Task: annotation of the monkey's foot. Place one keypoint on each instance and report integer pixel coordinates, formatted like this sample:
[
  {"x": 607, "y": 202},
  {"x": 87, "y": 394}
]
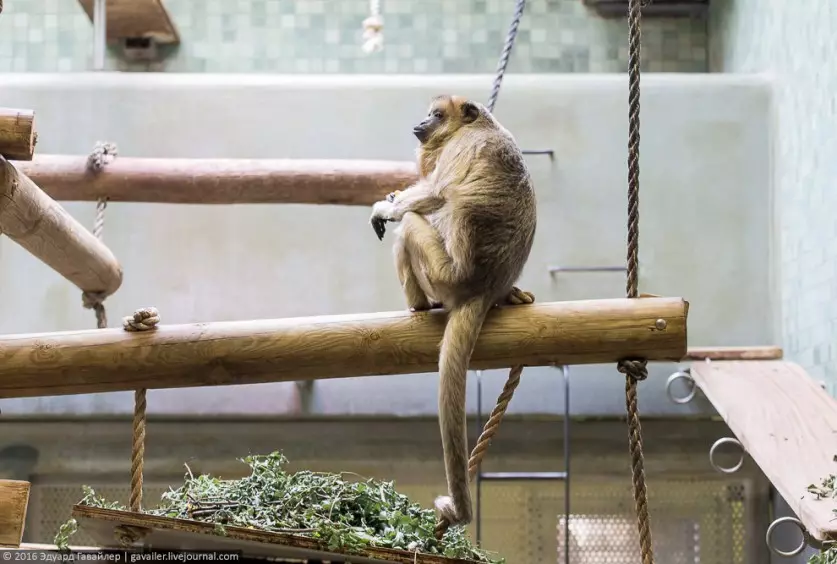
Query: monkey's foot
[
  {"x": 444, "y": 504},
  {"x": 518, "y": 297}
]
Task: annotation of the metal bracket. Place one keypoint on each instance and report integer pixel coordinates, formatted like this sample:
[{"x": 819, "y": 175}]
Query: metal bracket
[
  {"x": 807, "y": 539},
  {"x": 686, "y": 376},
  {"x": 719, "y": 442}
]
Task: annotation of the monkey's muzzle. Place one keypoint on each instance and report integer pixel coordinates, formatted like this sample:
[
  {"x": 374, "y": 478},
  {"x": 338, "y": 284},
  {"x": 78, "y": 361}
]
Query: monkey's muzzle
[{"x": 420, "y": 132}]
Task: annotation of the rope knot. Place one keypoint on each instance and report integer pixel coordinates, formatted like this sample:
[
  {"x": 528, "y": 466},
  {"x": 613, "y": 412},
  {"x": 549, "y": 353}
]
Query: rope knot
[
  {"x": 636, "y": 369},
  {"x": 143, "y": 319},
  {"x": 373, "y": 37},
  {"x": 98, "y": 157}
]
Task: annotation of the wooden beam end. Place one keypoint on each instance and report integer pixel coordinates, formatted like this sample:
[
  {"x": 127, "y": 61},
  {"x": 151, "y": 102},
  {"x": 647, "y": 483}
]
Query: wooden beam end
[{"x": 14, "y": 500}]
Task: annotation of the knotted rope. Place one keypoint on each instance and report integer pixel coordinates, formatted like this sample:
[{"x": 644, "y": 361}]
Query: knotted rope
[
  {"x": 635, "y": 369},
  {"x": 373, "y": 35},
  {"x": 516, "y": 297},
  {"x": 96, "y": 161},
  {"x": 144, "y": 319}
]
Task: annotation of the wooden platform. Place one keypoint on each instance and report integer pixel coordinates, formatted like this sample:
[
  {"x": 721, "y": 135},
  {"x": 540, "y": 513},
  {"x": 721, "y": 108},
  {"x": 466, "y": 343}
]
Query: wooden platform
[
  {"x": 183, "y": 534},
  {"x": 787, "y": 423}
]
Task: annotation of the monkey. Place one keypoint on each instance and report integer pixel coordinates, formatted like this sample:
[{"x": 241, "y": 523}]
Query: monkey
[{"x": 465, "y": 232}]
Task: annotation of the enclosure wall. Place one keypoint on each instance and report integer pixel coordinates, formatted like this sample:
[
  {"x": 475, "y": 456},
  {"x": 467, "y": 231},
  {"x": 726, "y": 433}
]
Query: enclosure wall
[{"x": 705, "y": 216}]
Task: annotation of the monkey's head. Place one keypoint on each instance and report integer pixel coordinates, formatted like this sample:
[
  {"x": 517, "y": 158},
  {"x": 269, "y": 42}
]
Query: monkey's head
[{"x": 446, "y": 115}]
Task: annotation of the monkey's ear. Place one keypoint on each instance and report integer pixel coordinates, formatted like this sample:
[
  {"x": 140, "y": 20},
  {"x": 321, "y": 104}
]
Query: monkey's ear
[{"x": 470, "y": 112}]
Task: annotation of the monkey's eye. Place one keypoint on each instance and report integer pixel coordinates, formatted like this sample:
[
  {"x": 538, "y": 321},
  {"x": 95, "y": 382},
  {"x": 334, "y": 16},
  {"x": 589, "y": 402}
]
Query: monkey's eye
[{"x": 437, "y": 114}]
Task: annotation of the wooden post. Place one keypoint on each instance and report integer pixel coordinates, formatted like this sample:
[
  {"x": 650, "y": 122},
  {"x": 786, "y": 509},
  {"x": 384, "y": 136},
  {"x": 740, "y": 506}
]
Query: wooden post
[
  {"x": 41, "y": 226},
  {"x": 17, "y": 134},
  {"x": 340, "y": 346},
  {"x": 220, "y": 181},
  {"x": 14, "y": 499}
]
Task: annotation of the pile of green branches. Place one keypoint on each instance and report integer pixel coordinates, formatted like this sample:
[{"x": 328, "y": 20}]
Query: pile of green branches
[{"x": 343, "y": 515}]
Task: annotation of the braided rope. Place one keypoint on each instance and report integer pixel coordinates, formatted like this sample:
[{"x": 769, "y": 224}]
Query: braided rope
[
  {"x": 144, "y": 319},
  {"x": 635, "y": 369},
  {"x": 504, "y": 56},
  {"x": 96, "y": 162},
  {"x": 516, "y": 297}
]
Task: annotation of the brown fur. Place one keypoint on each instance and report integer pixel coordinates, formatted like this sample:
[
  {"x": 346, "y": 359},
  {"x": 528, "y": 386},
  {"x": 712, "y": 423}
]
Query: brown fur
[{"x": 467, "y": 228}]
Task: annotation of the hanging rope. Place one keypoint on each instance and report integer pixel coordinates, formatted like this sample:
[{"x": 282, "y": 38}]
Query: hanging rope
[
  {"x": 103, "y": 153},
  {"x": 635, "y": 369},
  {"x": 96, "y": 161},
  {"x": 373, "y": 35},
  {"x": 144, "y": 319},
  {"x": 516, "y": 297}
]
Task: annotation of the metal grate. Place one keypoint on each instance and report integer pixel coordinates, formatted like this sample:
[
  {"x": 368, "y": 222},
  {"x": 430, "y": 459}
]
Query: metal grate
[
  {"x": 50, "y": 506},
  {"x": 694, "y": 522}
]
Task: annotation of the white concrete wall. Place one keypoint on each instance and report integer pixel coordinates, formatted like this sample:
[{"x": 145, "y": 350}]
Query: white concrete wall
[{"x": 705, "y": 216}]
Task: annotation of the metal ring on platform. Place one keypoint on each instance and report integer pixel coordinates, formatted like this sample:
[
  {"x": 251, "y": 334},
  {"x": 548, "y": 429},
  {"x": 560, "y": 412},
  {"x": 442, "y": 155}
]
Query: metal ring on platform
[
  {"x": 787, "y": 553},
  {"x": 720, "y": 442},
  {"x": 681, "y": 375}
]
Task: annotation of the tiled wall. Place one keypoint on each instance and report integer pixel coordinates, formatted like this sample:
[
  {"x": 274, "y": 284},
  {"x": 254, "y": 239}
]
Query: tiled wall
[
  {"x": 422, "y": 36},
  {"x": 797, "y": 47}
]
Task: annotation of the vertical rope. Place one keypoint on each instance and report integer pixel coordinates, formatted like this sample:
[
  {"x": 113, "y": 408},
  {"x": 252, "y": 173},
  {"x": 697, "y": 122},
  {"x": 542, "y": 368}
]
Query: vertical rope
[
  {"x": 504, "y": 56},
  {"x": 144, "y": 319},
  {"x": 102, "y": 154},
  {"x": 635, "y": 370}
]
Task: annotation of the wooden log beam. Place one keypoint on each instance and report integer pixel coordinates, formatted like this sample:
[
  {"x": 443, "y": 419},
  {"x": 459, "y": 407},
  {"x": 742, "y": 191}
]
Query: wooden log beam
[
  {"x": 42, "y": 226},
  {"x": 14, "y": 499},
  {"x": 220, "y": 181},
  {"x": 734, "y": 353},
  {"x": 340, "y": 346},
  {"x": 17, "y": 134},
  {"x": 786, "y": 422}
]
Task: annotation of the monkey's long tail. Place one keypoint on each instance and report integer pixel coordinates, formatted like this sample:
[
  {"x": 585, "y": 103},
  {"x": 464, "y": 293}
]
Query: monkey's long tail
[{"x": 461, "y": 334}]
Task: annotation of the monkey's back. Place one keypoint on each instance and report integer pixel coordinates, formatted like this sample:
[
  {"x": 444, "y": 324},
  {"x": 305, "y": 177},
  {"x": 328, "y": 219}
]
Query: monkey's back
[{"x": 490, "y": 217}]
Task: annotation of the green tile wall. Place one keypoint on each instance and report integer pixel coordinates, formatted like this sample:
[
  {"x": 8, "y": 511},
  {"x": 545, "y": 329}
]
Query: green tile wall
[{"x": 324, "y": 36}]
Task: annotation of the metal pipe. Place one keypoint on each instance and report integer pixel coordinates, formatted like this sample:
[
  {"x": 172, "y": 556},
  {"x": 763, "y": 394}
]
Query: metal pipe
[
  {"x": 566, "y": 373},
  {"x": 557, "y": 269},
  {"x": 99, "y": 34},
  {"x": 523, "y": 476},
  {"x": 479, "y": 473}
]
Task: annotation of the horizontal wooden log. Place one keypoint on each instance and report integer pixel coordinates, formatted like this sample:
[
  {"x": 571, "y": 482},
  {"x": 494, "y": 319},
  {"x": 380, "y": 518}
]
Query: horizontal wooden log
[
  {"x": 220, "y": 181},
  {"x": 14, "y": 499},
  {"x": 17, "y": 134},
  {"x": 341, "y": 346},
  {"x": 734, "y": 353},
  {"x": 43, "y": 227}
]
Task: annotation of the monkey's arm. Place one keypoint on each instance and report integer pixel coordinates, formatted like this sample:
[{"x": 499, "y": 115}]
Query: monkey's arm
[{"x": 419, "y": 198}]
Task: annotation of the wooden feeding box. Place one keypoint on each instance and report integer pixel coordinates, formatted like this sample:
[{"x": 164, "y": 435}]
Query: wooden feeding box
[{"x": 151, "y": 531}]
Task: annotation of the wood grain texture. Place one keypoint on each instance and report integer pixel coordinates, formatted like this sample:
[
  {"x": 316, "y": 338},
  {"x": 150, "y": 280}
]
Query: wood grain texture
[
  {"x": 14, "y": 498},
  {"x": 17, "y": 134},
  {"x": 340, "y": 346},
  {"x": 173, "y": 534},
  {"x": 135, "y": 18},
  {"x": 786, "y": 422},
  {"x": 221, "y": 181},
  {"x": 43, "y": 227},
  {"x": 735, "y": 353}
]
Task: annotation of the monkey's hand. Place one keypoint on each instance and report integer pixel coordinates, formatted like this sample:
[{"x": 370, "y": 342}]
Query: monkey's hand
[
  {"x": 391, "y": 196},
  {"x": 381, "y": 213}
]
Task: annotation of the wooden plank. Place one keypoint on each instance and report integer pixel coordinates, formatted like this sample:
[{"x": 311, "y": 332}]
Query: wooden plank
[
  {"x": 40, "y": 225},
  {"x": 127, "y": 19},
  {"x": 17, "y": 134},
  {"x": 788, "y": 425},
  {"x": 734, "y": 353},
  {"x": 220, "y": 181},
  {"x": 339, "y": 346},
  {"x": 184, "y": 534},
  {"x": 14, "y": 498}
]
